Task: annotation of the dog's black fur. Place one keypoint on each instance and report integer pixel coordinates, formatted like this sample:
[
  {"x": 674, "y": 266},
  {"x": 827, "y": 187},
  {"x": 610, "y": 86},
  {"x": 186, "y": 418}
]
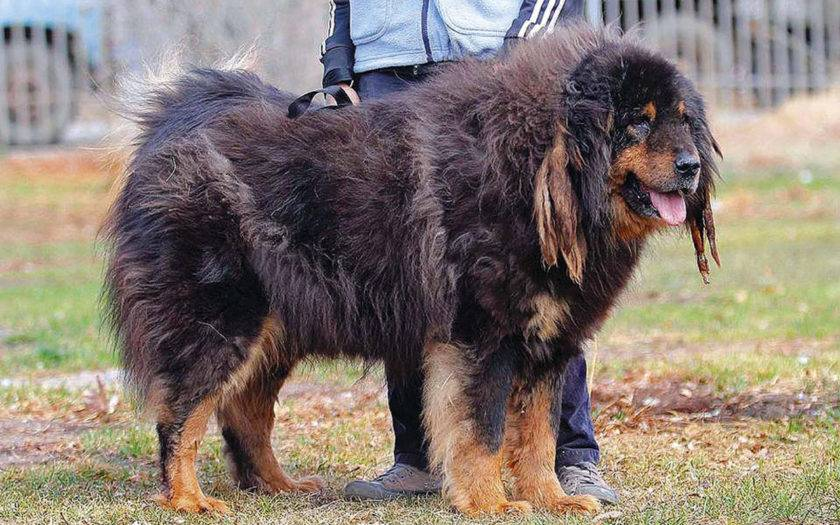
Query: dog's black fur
[{"x": 375, "y": 231}]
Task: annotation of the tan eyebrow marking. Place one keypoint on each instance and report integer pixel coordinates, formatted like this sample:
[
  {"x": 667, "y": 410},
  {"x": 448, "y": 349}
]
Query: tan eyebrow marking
[
  {"x": 681, "y": 108},
  {"x": 649, "y": 110}
]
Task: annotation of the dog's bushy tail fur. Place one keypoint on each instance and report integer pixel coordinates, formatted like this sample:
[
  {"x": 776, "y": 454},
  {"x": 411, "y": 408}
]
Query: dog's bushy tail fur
[{"x": 166, "y": 111}]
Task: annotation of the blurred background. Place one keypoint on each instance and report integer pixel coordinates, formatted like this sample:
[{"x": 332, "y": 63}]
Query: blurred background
[
  {"x": 712, "y": 404},
  {"x": 57, "y": 55}
]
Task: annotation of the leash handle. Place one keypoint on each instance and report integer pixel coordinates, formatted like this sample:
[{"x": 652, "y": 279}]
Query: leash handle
[{"x": 302, "y": 104}]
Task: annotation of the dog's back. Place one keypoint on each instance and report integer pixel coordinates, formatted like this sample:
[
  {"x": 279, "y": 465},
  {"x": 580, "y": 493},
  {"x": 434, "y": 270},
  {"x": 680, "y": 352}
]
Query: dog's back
[{"x": 231, "y": 209}]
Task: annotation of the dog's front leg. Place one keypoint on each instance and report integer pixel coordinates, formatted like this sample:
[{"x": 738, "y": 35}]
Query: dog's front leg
[
  {"x": 464, "y": 413},
  {"x": 530, "y": 449}
]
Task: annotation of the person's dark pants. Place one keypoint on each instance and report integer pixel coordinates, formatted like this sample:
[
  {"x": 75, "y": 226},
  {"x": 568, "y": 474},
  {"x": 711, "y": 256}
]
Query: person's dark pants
[{"x": 576, "y": 438}]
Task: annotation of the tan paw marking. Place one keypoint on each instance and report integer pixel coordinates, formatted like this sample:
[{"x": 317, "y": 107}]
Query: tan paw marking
[
  {"x": 575, "y": 505},
  {"x": 192, "y": 503}
]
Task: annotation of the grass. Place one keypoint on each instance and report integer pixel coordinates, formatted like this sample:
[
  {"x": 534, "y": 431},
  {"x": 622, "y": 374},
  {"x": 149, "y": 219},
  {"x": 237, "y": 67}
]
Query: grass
[
  {"x": 767, "y": 325},
  {"x": 763, "y": 472}
]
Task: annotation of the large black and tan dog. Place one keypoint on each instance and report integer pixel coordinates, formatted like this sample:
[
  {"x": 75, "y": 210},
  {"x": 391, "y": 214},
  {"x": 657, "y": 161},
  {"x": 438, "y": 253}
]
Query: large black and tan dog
[{"x": 479, "y": 227}]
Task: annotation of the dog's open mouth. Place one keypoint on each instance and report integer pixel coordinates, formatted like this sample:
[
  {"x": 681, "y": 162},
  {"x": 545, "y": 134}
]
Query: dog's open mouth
[{"x": 669, "y": 206}]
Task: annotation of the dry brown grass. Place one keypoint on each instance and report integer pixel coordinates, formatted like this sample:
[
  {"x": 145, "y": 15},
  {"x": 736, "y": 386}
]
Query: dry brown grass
[{"x": 799, "y": 134}]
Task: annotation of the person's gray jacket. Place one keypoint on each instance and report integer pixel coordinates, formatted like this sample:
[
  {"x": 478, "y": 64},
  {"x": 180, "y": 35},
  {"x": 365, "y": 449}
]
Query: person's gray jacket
[{"x": 374, "y": 34}]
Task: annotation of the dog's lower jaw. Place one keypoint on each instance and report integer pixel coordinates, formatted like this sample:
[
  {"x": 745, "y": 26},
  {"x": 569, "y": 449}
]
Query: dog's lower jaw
[{"x": 627, "y": 225}]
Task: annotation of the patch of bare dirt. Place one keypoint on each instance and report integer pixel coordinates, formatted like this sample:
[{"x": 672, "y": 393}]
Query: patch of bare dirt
[
  {"x": 798, "y": 202},
  {"x": 34, "y": 432},
  {"x": 668, "y": 345},
  {"x": 78, "y": 381},
  {"x": 674, "y": 400},
  {"x": 65, "y": 164},
  {"x": 34, "y": 441},
  {"x": 66, "y": 195}
]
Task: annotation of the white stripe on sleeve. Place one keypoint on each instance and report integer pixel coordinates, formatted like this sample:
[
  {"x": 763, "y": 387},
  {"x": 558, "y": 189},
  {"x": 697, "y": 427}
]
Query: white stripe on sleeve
[
  {"x": 547, "y": 13},
  {"x": 331, "y": 27},
  {"x": 555, "y": 17},
  {"x": 534, "y": 15}
]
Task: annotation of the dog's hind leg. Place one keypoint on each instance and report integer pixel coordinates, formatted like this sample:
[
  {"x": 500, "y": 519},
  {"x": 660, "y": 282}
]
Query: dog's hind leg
[
  {"x": 217, "y": 366},
  {"x": 458, "y": 445},
  {"x": 180, "y": 430},
  {"x": 246, "y": 418},
  {"x": 530, "y": 449}
]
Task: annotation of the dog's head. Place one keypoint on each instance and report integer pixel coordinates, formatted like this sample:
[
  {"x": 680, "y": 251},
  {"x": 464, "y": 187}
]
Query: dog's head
[{"x": 635, "y": 153}]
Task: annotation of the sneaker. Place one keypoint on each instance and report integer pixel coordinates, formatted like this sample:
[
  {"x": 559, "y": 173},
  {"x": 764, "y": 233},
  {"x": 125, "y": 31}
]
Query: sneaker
[
  {"x": 399, "y": 481},
  {"x": 584, "y": 479}
]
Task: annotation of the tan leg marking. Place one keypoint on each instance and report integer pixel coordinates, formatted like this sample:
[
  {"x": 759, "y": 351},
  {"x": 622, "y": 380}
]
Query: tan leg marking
[
  {"x": 529, "y": 451},
  {"x": 472, "y": 474},
  {"x": 184, "y": 492},
  {"x": 250, "y": 415},
  {"x": 263, "y": 355}
]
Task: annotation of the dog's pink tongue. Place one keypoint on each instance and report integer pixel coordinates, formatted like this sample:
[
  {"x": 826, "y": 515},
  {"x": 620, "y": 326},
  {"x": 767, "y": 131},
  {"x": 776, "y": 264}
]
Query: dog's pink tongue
[{"x": 671, "y": 206}]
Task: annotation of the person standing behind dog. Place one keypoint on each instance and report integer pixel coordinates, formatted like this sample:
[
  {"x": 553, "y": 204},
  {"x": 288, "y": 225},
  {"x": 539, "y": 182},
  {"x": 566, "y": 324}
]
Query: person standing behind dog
[{"x": 377, "y": 47}]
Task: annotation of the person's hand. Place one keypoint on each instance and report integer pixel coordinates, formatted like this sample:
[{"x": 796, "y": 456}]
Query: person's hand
[{"x": 351, "y": 94}]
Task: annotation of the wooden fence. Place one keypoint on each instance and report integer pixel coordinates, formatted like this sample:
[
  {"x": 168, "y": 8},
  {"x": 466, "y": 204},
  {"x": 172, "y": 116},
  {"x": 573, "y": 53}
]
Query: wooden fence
[
  {"x": 39, "y": 80},
  {"x": 742, "y": 53}
]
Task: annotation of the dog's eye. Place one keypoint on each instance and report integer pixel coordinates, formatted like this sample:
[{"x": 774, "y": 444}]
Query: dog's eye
[{"x": 639, "y": 129}]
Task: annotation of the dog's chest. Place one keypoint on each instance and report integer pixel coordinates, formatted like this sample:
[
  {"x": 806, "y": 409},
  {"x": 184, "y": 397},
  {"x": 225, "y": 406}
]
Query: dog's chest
[
  {"x": 549, "y": 314},
  {"x": 575, "y": 314}
]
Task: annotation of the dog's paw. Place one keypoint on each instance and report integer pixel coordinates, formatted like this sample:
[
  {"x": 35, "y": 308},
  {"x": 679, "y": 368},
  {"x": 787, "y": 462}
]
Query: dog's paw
[
  {"x": 284, "y": 484},
  {"x": 501, "y": 507},
  {"x": 515, "y": 507},
  {"x": 308, "y": 484},
  {"x": 574, "y": 505},
  {"x": 192, "y": 503}
]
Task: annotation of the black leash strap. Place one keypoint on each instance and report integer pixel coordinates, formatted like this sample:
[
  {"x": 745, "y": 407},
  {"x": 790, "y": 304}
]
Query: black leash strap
[{"x": 302, "y": 104}]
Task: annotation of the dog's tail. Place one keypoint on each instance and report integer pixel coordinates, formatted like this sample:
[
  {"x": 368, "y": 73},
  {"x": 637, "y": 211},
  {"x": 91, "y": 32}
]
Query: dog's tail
[
  {"x": 168, "y": 108},
  {"x": 171, "y": 99}
]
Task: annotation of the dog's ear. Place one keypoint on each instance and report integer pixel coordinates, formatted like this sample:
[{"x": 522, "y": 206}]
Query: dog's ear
[
  {"x": 589, "y": 122},
  {"x": 700, "y": 220},
  {"x": 557, "y": 212}
]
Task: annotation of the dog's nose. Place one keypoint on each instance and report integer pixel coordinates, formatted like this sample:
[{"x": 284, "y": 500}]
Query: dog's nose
[{"x": 687, "y": 165}]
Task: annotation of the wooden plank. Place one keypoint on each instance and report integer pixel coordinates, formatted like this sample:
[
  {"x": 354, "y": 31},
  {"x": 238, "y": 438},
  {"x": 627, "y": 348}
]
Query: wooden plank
[
  {"x": 764, "y": 75},
  {"x": 781, "y": 51},
  {"x": 668, "y": 26},
  {"x": 612, "y": 12},
  {"x": 63, "y": 84},
  {"x": 594, "y": 12},
  {"x": 799, "y": 47},
  {"x": 81, "y": 71},
  {"x": 42, "y": 124},
  {"x": 743, "y": 54},
  {"x": 707, "y": 43},
  {"x": 650, "y": 15},
  {"x": 687, "y": 39},
  {"x": 817, "y": 50},
  {"x": 726, "y": 52},
  {"x": 833, "y": 24},
  {"x": 19, "y": 69},
  {"x": 631, "y": 13},
  {"x": 5, "y": 129}
]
